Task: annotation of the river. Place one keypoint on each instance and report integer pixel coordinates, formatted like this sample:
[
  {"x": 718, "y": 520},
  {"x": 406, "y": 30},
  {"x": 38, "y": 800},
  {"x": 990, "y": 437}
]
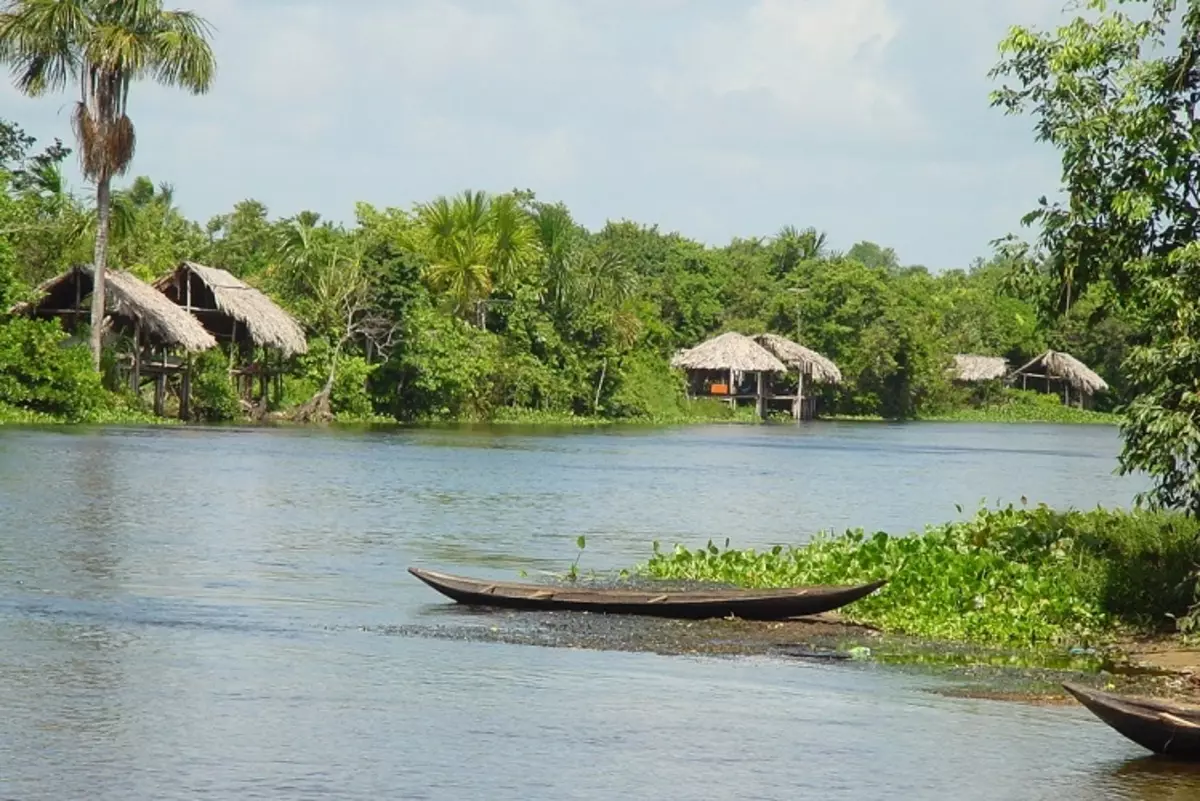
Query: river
[{"x": 203, "y": 613}]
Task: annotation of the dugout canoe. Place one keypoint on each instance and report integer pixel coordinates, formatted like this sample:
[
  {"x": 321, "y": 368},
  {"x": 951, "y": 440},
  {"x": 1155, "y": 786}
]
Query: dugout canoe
[
  {"x": 1157, "y": 726},
  {"x": 776, "y": 604}
]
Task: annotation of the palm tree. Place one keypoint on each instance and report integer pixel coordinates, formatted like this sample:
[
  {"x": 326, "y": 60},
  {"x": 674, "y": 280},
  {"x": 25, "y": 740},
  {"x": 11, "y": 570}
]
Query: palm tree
[
  {"x": 104, "y": 45},
  {"x": 474, "y": 243}
]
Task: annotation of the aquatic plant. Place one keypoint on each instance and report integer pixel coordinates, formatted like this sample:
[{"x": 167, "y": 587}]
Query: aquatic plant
[{"x": 1010, "y": 576}]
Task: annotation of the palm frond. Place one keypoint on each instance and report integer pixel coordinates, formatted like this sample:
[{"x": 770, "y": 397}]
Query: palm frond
[
  {"x": 182, "y": 53},
  {"x": 40, "y": 40}
]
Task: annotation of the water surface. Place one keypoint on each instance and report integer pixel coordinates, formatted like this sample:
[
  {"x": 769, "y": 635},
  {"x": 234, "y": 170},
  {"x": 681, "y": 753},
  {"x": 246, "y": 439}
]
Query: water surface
[{"x": 199, "y": 613}]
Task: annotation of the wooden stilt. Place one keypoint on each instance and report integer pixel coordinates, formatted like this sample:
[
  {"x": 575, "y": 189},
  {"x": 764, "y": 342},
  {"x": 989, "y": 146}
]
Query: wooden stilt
[
  {"x": 760, "y": 397},
  {"x": 160, "y": 386},
  {"x": 185, "y": 391},
  {"x": 800, "y": 411},
  {"x": 135, "y": 377}
]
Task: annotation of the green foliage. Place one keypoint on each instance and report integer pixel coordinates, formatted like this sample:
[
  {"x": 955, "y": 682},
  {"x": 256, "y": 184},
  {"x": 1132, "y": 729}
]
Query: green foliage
[
  {"x": 1162, "y": 424},
  {"x": 646, "y": 387},
  {"x": 349, "y": 398},
  {"x": 562, "y": 323},
  {"x": 214, "y": 398},
  {"x": 1118, "y": 100},
  {"x": 1007, "y": 576},
  {"x": 1021, "y": 406},
  {"x": 40, "y": 373},
  {"x": 443, "y": 369}
]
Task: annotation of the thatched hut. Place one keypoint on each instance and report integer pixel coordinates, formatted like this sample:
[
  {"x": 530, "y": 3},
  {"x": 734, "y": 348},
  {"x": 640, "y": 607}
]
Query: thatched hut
[
  {"x": 811, "y": 367},
  {"x": 156, "y": 325},
  {"x": 238, "y": 314},
  {"x": 1059, "y": 372},
  {"x": 972, "y": 369},
  {"x": 730, "y": 357}
]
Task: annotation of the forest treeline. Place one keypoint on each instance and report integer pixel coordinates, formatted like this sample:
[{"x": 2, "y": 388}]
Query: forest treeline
[{"x": 473, "y": 305}]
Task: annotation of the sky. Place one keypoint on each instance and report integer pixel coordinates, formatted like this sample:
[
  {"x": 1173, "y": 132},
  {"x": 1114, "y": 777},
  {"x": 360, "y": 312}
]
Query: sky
[{"x": 867, "y": 119}]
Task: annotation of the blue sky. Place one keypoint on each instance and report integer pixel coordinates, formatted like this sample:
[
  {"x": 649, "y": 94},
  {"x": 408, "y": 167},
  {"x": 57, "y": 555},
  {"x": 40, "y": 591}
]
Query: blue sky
[{"x": 868, "y": 119}]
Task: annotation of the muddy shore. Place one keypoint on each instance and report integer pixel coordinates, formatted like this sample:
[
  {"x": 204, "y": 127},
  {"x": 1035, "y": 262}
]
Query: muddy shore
[{"x": 1158, "y": 667}]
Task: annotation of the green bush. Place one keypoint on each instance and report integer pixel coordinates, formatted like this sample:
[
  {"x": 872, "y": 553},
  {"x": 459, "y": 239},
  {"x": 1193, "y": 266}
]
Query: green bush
[
  {"x": 40, "y": 373},
  {"x": 1019, "y": 406},
  {"x": 646, "y": 387},
  {"x": 349, "y": 397},
  {"x": 1007, "y": 576},
  {"x": 214, "y": 398}
]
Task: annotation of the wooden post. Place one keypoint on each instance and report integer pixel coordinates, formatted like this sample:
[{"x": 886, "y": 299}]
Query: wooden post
[
  {"x": 799, "y": 415},
  {"x": 135, "y": 378},
  {"x": 760, "y": 397},
  {"x": 187, "y": 277},
  {"x": 160, "y": 385},
  {"x": 185, "y": 390}
]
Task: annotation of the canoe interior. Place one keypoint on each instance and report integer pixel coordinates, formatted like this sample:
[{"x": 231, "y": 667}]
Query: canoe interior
[
  {"x": 749, "y": 604},
  {"x": 1157, "y": 726}
]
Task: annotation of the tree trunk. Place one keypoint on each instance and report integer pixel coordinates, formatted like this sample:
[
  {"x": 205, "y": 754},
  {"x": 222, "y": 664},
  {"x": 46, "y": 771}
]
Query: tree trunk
[
  {"x": 99, "y": 263},
  {"x": 317, "y": 409},
  {"x": 600, "y": 385}
]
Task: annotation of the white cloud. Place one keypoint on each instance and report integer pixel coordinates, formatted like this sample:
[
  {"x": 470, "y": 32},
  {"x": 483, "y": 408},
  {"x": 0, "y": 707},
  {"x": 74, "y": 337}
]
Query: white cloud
[
  {"x": 716, "y": 117},
  {"x": 820, "y": 62}
]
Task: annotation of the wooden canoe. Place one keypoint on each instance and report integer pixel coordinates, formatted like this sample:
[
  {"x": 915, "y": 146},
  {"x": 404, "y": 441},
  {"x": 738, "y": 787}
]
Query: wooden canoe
[
  {"x": 1157, "y": 726},
  {"x": 694, "y": 604}
]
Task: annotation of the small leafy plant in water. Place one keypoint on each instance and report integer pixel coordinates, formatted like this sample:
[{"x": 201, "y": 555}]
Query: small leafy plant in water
[
  {"x": 573, "y": 571},
  {"x": 1024, "y": 577}
]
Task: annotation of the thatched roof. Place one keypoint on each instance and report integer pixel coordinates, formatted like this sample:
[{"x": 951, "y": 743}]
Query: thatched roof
[
  {"x": 793, "y": 354},
  {"x": 729, "y": 351},
  {"x": 1064, "y": 367},
  {"x": 970, "y": 368},
  {"x": 232, "y": 309},
  {"x": 129, "y": 301}
]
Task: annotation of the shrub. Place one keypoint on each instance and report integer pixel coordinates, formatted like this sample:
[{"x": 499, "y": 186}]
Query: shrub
[
  {"x": 214, "y": 398},
  {"x": 41, "y": 373},
  {"x": 1007, "y": 576}
]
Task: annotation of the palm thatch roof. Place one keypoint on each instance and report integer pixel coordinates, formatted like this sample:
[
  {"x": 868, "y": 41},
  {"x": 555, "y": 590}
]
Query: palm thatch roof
[
  {"x": 807, "y": 361},
  {"x": 129, "y": 302},
  {"x": 1059, "y": 366},
  {"x": 972, "y": 369},
  {"x": 231, "y": 309},
  {"x": 729, "y": 351}
]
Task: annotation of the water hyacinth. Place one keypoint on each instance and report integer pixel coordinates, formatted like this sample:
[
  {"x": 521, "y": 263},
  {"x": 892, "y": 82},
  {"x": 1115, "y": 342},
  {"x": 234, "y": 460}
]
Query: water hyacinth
[{"x": 1006, "y": 576}]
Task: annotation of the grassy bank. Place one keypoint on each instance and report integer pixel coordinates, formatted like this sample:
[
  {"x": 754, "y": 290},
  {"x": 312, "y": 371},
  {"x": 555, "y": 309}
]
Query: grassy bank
[
  {"x": 116, "y": 414},
  {"x": 1017, "y": 577},
  {"x": 1018, "y": 406},
  {"x": 1006, "y": 406}
]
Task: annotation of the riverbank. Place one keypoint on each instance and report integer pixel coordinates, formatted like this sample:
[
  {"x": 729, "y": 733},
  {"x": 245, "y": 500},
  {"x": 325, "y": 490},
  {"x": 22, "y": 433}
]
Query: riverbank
[{"x": 10, "y": 415}]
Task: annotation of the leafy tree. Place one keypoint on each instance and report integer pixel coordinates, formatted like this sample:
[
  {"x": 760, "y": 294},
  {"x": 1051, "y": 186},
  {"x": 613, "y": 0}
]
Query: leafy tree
[
  {"x": 1162, "y": 425},
  {"x": 1120, "y": 104},
  {"x": 106, "y": 45},
  {"x": 243, "y": 241},
  {"x": 474, "y": 243},
  {"x": 873, "y": 255}
]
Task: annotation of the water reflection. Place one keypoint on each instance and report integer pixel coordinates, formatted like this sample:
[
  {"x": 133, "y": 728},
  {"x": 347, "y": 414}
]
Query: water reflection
[
  {"x": 94, "y": 517},
  {"x": 1156, "y": 778}
]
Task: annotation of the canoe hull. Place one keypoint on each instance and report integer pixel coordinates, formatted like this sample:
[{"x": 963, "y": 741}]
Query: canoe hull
[
  {"x": 1156, "y": 726},
  {"x": 697, "y": 605}
]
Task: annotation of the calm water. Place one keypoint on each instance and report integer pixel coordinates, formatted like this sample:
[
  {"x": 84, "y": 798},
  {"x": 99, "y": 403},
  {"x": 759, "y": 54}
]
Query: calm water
[{"x": 199, "y": 614}]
